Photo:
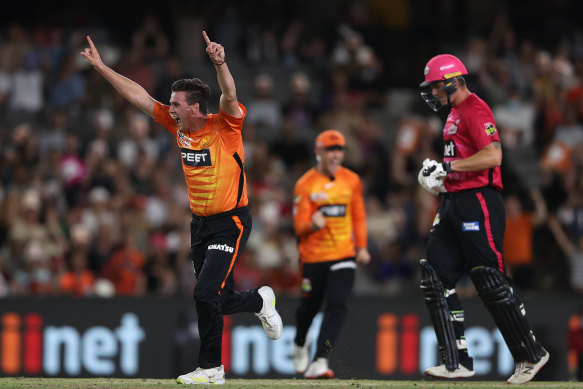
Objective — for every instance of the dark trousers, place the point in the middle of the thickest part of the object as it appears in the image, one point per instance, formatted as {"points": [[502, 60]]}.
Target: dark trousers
{"points": [[216, 243], [326, 281], [468, 231]]}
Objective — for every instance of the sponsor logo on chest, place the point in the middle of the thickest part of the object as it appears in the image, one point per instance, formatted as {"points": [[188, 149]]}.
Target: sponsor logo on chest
{"points": [[333, 210], [449, 149], [195, 158]]}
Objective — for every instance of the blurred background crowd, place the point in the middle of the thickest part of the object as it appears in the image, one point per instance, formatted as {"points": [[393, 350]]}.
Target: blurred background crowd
{"points": [[92, 195]]}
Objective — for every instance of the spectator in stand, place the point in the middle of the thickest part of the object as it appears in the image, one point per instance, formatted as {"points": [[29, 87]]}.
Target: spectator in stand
{"points": [[299, 107], [291, 148], [515, 120], [573, 250], [125, 268], [150, 40], [518, 240], [26, 92], [53, 138], [79, 280], [68, 91], [264, 112]]}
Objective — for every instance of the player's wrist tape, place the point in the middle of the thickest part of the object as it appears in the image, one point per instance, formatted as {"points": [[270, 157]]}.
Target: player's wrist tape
{"points": [[447, 167]]}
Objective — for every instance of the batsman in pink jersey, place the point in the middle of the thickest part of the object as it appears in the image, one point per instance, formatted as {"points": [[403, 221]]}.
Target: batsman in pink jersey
{"points": [[468, 231]]}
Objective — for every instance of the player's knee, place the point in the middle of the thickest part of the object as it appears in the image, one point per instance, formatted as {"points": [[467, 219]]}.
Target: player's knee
{"points": [[336, 306], [491, 284], [205, 296]]}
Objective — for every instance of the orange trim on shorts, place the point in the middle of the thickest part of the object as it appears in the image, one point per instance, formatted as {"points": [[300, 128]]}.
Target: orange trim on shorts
{"points": [[240, 227]]}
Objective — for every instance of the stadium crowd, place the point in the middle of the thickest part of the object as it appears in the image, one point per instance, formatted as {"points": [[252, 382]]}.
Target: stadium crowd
{"points": [[92, 198]]}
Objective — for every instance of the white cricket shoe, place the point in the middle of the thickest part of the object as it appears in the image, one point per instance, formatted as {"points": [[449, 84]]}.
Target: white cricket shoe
{"points": [[212, 376], [442, 372], [269, 317], [525, 371], [301, 358], [319, 369]]}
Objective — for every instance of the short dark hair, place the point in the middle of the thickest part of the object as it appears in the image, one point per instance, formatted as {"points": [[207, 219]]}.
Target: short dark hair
{"points": [[199, 92]]}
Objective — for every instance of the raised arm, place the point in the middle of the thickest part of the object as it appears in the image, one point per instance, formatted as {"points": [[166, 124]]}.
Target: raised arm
{"points": [[228, 102], [131, 91]]}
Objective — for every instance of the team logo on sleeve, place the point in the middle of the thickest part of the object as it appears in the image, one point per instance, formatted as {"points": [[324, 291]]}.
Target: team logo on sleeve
{"points": [[195, 158], [449, 149], [490, 129]]}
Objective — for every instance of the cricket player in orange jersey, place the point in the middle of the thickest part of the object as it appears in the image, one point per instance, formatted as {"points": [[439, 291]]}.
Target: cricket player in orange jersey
{"points": [[330, 222], [211, 149]]}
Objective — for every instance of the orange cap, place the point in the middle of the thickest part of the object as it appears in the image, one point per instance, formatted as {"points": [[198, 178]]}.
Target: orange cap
{"points": [[330, 138]]}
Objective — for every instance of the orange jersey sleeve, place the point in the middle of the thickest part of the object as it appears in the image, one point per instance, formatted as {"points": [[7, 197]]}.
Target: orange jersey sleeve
{"points": [[340, 201], [212, 160]]}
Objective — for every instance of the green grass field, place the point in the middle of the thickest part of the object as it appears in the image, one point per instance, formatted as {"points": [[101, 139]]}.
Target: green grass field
{"points": [[20, 382]]}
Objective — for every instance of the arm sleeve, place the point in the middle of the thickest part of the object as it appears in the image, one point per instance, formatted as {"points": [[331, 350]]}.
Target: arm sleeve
{"points": [[162, 116], [234, 123], [302, 210], [231, 128], [359, 216], [482, 129]]}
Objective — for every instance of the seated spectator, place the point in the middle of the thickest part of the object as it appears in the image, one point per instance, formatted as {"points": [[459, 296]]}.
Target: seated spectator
{"points": [[299, 108], [78, 281], [125, 268]]}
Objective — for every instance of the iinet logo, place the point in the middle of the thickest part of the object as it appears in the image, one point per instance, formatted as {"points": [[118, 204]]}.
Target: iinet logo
{"points": [[28, 348]]}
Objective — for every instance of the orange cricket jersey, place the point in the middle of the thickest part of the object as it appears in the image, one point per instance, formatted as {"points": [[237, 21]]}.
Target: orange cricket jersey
{"points": [[212, 161], [341, 202]]}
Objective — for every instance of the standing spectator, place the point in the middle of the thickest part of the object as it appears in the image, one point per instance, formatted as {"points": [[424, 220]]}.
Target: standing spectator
{"points": [[212, 161], [468, 231], [573, 251], [330, 222], [518, 243]]}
